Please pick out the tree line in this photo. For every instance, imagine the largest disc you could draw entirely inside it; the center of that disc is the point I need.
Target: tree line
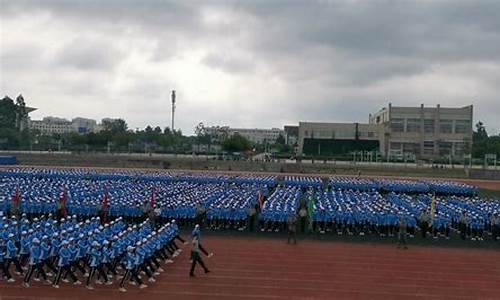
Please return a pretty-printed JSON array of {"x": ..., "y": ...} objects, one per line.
[{"x": 116, "y": 136}]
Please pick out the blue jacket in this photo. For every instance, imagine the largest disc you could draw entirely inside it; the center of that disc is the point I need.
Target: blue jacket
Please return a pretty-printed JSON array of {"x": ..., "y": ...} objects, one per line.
[
  {"x": 130, "y": 261},
  {"x": 11, "y": 249},
  {"x": 64, "y": 257},
  {"x": 95, "y": 255},
  {"x": 35, "y": 253}
]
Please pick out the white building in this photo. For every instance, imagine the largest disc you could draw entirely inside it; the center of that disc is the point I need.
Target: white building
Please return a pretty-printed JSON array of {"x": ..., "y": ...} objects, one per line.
[
  {"x": 83, "y": 125},
  {"x": 254, "y": 135},
  {"x": 54, "y": 125},
  {"x": 51, "y": 125},
  {"x": 427, "y": 132}
]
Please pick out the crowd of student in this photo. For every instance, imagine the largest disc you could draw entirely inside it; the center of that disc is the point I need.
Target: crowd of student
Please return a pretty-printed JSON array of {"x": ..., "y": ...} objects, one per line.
[
  {"x": 230, "y": 209},
  {"x": 356, "y": 212},
  {"x": 303, "y": 181},
  {"x": 360, "y": 212},
  {"x": 282, "y": 203},
  {"x": 96, "y": 253},
  {"x": 347, "y": 205},
  {"x": 403, "y": 186}
]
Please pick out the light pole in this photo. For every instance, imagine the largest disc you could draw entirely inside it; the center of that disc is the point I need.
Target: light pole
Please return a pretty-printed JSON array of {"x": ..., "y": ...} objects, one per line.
[{"x": 173, "y": 108}]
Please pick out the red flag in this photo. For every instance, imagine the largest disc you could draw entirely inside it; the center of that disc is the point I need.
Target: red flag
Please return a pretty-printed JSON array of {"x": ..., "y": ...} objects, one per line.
[
  {"x": 62, "y": 202},
  {"x": 16, "y": 198},
  {"x": 261, "y": 200},
  {"x": 105, "y": 199},
  {"x": 152, "y": 200}
]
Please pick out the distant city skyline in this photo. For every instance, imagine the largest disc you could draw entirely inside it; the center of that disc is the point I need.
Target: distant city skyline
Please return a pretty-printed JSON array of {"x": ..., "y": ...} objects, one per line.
[{"x": 255, "y": 64}]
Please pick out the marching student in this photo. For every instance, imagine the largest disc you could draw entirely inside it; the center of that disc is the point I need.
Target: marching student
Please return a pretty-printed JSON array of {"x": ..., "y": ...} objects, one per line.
[
  {"x": 96, "y": 265},
  {"x": 141, "y": 263},
  {"x": 35, "y": 263},
  {"x": 196, "y": 257},
  {"x": 130, "y": 270},
  {"x": 64, "y": 264},
  {"x": 24, "y": 251},
  {"x": 177, "y": 236},
  {"x": 11, "y": 255},
  {"x": 4, "y": 270},
  {"x": 108, "y": 257},
  {"x": 45, "y": 259}
]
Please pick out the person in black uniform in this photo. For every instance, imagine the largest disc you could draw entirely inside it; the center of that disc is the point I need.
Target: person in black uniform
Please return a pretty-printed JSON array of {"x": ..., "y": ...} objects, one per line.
[{"x": 196, "y": 257}]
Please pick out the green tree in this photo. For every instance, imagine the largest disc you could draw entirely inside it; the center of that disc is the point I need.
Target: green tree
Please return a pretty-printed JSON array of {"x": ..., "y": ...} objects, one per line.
[
  {"x": 236, "y": 143},
  {"x": 280, "y": 140},
  {"x": 7, "y": 113},
  {"x": 480, "y": 134},
  {"x": 115, "y": 126}
]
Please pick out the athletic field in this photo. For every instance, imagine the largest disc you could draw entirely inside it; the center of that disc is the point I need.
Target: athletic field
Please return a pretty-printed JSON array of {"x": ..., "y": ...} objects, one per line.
[{"x": 265, "y": 268}]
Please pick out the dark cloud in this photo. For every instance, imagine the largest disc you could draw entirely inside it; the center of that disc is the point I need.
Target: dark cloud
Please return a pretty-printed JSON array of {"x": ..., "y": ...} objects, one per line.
[
  {"x": 228, "y": 62},
  {"x": 274, "y": 62},
  {"x": 88, "y": 54}
]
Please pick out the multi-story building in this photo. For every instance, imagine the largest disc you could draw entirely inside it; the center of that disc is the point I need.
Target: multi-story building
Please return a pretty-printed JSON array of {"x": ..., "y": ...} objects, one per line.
[
  {"x": 426, "y": 132},
  {"x": 54, "y": 125},
  {"x": 423, "y": 132},
  {"x": 291, "y": 135},
  {"x": 83, "y": 125},
  {"x": 336, "y": 138},
  {"x": 254, "y": 135},
  {"x": 51, "y": 125}
]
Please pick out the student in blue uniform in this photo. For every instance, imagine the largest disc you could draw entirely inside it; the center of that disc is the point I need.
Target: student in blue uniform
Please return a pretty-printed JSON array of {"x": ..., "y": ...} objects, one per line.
[
  {"x": 130, "y": 270},
  {"x": 4, "y": 269},
  {"x": 24, "y": 251},
  {"x": 93, "y": 263},
  {"x": 45, "y": 259},
  {"x": 177, "y": 236},
  {"x": 11, "y": 255},
  {"x": 64, "y": 264},
  {"x": 34, "y": 263},
  {"x": 108, "y": 257}
]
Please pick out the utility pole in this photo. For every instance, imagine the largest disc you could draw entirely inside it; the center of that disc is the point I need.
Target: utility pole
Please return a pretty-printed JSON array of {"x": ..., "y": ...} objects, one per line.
[{"x": 173, "y": 109}]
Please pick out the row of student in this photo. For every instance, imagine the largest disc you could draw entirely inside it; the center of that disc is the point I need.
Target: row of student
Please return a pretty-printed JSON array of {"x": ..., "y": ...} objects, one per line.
[{"x": 101, "y": 251}]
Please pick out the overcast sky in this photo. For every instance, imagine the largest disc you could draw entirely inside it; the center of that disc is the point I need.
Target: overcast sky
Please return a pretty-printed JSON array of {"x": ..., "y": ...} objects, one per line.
[{"x": 249, "y": 63}]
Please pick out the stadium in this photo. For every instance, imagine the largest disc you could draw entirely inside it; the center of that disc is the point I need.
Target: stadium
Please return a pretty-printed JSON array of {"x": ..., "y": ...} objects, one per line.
[
  {"x": 348, "y": 229},
  {"x": 327, "y": 149}
]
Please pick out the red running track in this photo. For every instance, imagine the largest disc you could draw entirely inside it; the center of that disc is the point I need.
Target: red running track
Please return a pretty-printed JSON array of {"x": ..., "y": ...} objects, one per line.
[{"x": 263, "y": 268}]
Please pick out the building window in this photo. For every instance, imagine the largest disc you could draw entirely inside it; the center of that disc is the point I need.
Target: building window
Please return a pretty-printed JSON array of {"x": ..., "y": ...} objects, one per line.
[
  {"x": 429, "y": 125},
  {"x": 445, "y": 148},
  {"x": 412, "y": 125},
  {"x": 428, "y": 147},
  {"x": 459, "y": 148},
  {"x": 397, "y": 125},
  {"x": 446, "y": 126},
  {"x": 396, "y": 146},
  {"x": 462, "y": 126},
  {"x": 411, "y": 148}
]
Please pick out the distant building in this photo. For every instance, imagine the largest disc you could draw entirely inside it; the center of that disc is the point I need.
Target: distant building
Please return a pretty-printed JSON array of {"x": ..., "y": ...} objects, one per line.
[
  {"x": 329, "y": 139},
  {"x": 291, "y": 134},
  {"x": 83, "y": 125},
  {"x": 54, "y": 125},
  {"x": 423, "y": 132},
  {"x": 51, "y": 125},
  {"x": 426, "y": 132},
  {"x": 254, "y": 135}
]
